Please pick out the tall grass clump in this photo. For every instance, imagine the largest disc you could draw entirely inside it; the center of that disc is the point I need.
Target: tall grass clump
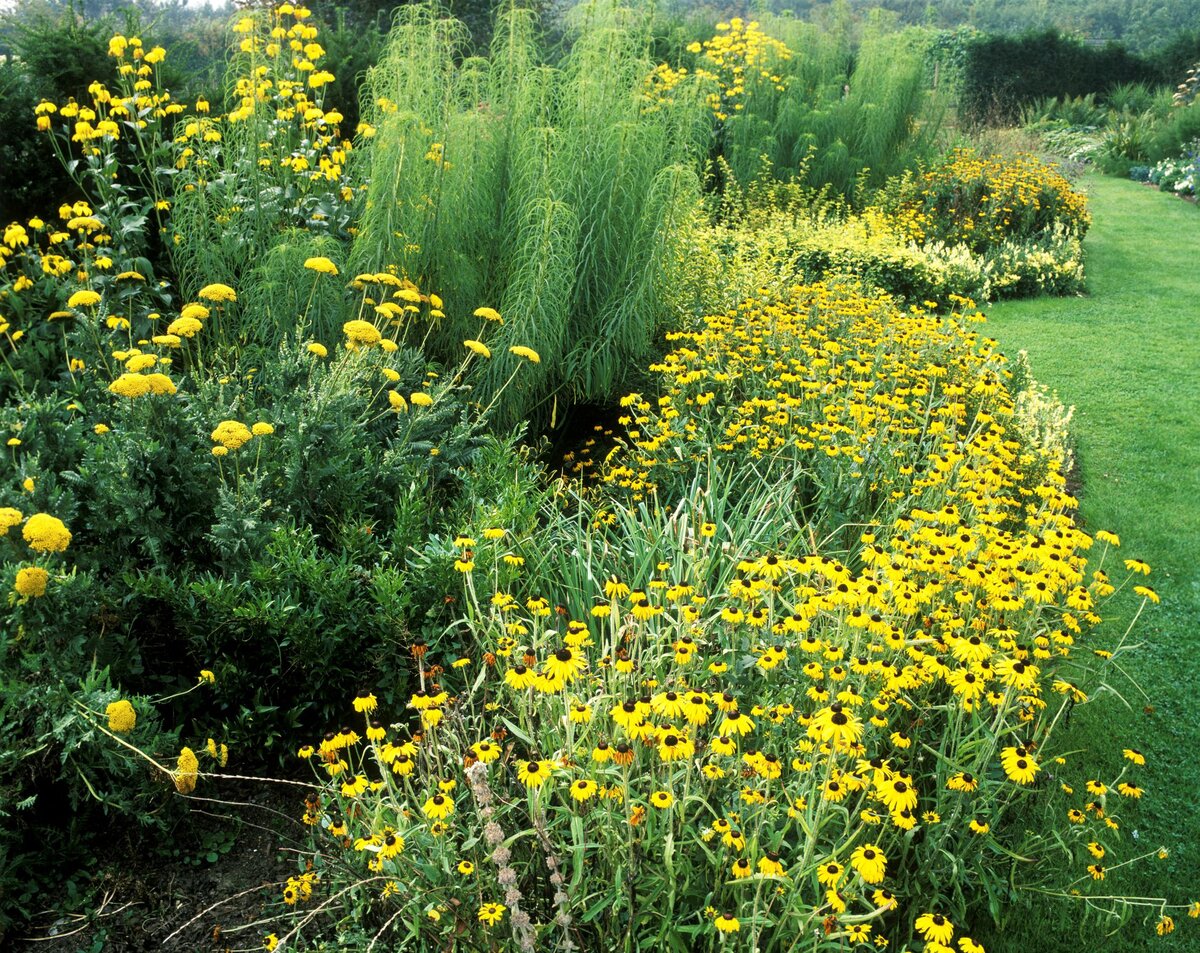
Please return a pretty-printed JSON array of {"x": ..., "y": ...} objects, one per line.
[
  {"x": 814, "y": 107},
  {"x": 552, "y": 193}
]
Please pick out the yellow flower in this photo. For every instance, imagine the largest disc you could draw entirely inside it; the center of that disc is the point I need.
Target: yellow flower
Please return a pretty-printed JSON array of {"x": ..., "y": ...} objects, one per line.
[
  {"x": 231, "y": 434},
  {"x": 361, "y": 332},
  {"x": 184, "y": 327},
  {"x": 935, "y": 928},
  {"x": 318, "y": 349},
  {"x": 365, "y": 702},
  {"x": 121, "y": 716},
  {"x": 186, "y": 772},
  {"x": 262, "y": 429},
  {"x": 489, "y": 314},
  {"x": 218, "y": 292},
  {"x": 478, "y": 347},
  {"x": 491, "y": 913},
  {"x": 397, "y": 401},
  {"x": 727, "y": 923},
  {"x": 526, "y": 352},
  {"x": 1147, "y": 593},
  {"x": 84, "y": 298},
  {"x": 31, "y": 581},
  {"x": 9, "y": 518},
  {"x": 420, "y": 399},
  {"x": 131, "y": 386},
  {"x": 321, "y": 265},
  {"x": 46, "y": 534}
]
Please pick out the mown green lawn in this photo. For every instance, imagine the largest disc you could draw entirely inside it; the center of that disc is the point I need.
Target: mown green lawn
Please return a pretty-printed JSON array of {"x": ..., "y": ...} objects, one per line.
[{"x": 1127, "y": 357}]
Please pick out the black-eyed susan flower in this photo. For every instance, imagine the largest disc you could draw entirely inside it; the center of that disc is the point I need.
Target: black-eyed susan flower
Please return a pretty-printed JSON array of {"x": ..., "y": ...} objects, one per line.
[
  {"x": 769, "y": 865},
  {"x": 365, "y": 702},
  {"x": 565, "y": 665},
  {"x": 491, "y": 913},
  {"x": 438, "y": 807},
  {"x": 727, "y": 923},
  {"x": 466, "y": 868},
  {"x": 662, "y": 800},
  {"x": 962, "y": 781},
  {"x": 391, "y": 844},
  {"x": 897, "y": 793},
  {"x": 355, "y": 786},
  {"x": 870, "y": 863},
  {"x": 674, "y": 747},
  {"x": 935, "y": 928},
  {"x": 1018, "y": 765},
  {"x": 583, "y": 789},
  {"x": 533, "y": 774},
  {"x": 829, "y": 873}
]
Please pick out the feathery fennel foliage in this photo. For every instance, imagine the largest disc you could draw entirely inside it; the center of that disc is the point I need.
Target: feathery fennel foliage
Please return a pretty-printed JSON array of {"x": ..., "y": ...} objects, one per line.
[
  {"x": 842, "y": 119},
  {"x": 551, "y": 193}
]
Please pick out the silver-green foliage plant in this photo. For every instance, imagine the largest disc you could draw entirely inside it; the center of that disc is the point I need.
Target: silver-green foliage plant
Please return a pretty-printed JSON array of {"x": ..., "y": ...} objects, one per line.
[{"x": 551, "y": 193}]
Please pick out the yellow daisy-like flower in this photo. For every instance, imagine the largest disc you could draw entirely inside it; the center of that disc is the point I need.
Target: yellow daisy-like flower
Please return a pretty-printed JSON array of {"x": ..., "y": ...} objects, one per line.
[
  {"x": 662, "y": 799},
  {"x": 438, "y": 807},
  {"x": 584, "y": 789},
  {"x": 727, "y": 923},
  {"x": 935, "y": 928},
  {"x": 491, "y": 913},
  {"x": 365, "y": 702},
  {"x": 870, "y": 863},
  {"x": 533, "y": 774}
]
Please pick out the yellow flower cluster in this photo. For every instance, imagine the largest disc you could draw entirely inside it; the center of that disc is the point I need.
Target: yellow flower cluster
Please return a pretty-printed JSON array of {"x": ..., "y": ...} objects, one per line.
[
  {"x": 734, "y": 61},
  {"x": 785, "y": 716},
  {"x": 231, "y": 435},
  {"x": 187, "y": 770},
  {"x": 46, "y": 534},
  {"x": 31, "y": 582},
  {"x": 122, "y": 716},
  {"x": 133, "y": 385},
  {"x": 981, "y": 200}
]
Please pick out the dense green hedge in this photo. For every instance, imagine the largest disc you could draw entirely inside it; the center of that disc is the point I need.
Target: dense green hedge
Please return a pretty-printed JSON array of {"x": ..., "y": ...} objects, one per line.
[{"x": 1002, "y": 74}]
